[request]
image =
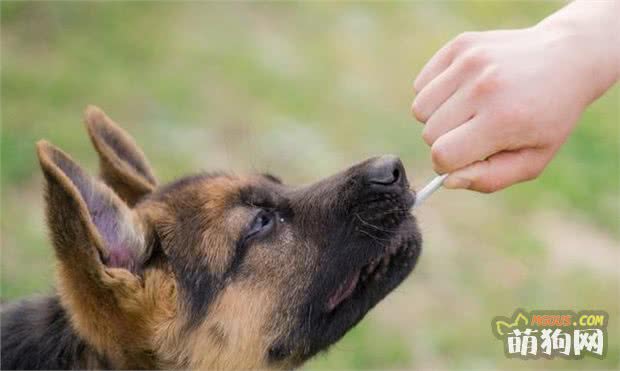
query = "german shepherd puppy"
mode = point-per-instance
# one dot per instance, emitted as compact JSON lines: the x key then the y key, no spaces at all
{"x":212,"y":271}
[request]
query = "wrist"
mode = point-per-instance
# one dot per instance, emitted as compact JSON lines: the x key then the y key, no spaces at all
{"x":589,"y":35}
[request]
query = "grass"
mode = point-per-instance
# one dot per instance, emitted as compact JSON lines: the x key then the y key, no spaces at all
{"x":303,"y":90}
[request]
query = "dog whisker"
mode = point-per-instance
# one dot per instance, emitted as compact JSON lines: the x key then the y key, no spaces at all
{"x":377,"y":239}
{"x":373,"y":225}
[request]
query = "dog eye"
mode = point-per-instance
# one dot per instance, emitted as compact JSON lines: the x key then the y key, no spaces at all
{"x":261,"y":225}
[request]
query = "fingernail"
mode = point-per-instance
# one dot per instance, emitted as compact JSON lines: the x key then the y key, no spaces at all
{"x":456,"y":182}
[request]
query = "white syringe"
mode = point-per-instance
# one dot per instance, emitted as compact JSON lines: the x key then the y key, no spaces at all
{"x":429,"y":189}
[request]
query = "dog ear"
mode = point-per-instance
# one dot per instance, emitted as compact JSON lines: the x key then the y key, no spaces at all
{"x":91,"y":227}
{"x":101,"y":247}
{"x":124,"y":166}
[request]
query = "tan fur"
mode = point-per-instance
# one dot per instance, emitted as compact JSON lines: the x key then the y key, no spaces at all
{"x":224,"y":225}
{"x":139,"y":318}
{"x":136,"y":322}
{"x":221,"y":237}
{"x":242,"y":345}
{"x":232,"y":335}
{"x":221,"y":225}
{"x":102,"y":301}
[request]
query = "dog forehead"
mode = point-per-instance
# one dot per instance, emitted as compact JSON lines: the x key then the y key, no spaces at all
{"x":209,"y":194}
{"x":218,"y":191}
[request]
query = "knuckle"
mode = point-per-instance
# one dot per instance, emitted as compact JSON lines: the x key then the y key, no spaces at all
{"x":489,"y":185}
{"x":485,"y":189}
{"x":463,"y":41}
{"x":439,"y":156}
{"x":488,"y":182}
{"x":532,"y":172}
{"x":417,"y":85}
{"x":428,"y":136}
{"x":418,"y":112}
{"x":473,"y":59}
{"x":488,"y":82}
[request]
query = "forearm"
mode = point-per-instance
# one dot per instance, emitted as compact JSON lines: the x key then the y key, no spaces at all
{"x":593,"y":28}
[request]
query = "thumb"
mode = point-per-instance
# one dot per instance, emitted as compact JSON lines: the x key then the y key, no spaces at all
{"x":499,"y":171}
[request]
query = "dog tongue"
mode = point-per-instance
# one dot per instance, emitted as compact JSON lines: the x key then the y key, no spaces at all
{"x":344,"y":291}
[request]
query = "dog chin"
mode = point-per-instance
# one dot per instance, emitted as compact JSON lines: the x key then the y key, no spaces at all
{"x":365,"y":286}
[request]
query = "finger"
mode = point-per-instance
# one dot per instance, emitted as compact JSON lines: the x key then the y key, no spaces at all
{"x":437,"y":92}
{"x":452,"y":113}
{"x":443,"y":59}
{"x":436,"y":65}
{"x":499,"y":171}
{"x":465,"y":145}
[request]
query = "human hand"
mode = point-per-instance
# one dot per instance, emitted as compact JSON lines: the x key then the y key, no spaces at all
{"x":498,"y":105}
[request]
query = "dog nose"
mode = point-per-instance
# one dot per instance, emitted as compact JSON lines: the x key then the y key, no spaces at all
{"x":386,"y":171}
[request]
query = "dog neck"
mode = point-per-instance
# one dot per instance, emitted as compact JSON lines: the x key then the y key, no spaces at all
{"x":37,"y":334}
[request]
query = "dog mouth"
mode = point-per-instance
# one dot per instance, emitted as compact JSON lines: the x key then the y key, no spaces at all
{"x":386,"y":223}
{"x":379,"y":268}
{"x":344,"y":291}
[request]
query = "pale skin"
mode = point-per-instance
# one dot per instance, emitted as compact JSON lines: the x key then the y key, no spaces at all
{"x":497,"y":105}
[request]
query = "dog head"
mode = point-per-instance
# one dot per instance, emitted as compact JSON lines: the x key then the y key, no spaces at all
{"x":218,"y":270}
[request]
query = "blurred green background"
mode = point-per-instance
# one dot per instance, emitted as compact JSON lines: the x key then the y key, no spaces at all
{"x":303,"y":91}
